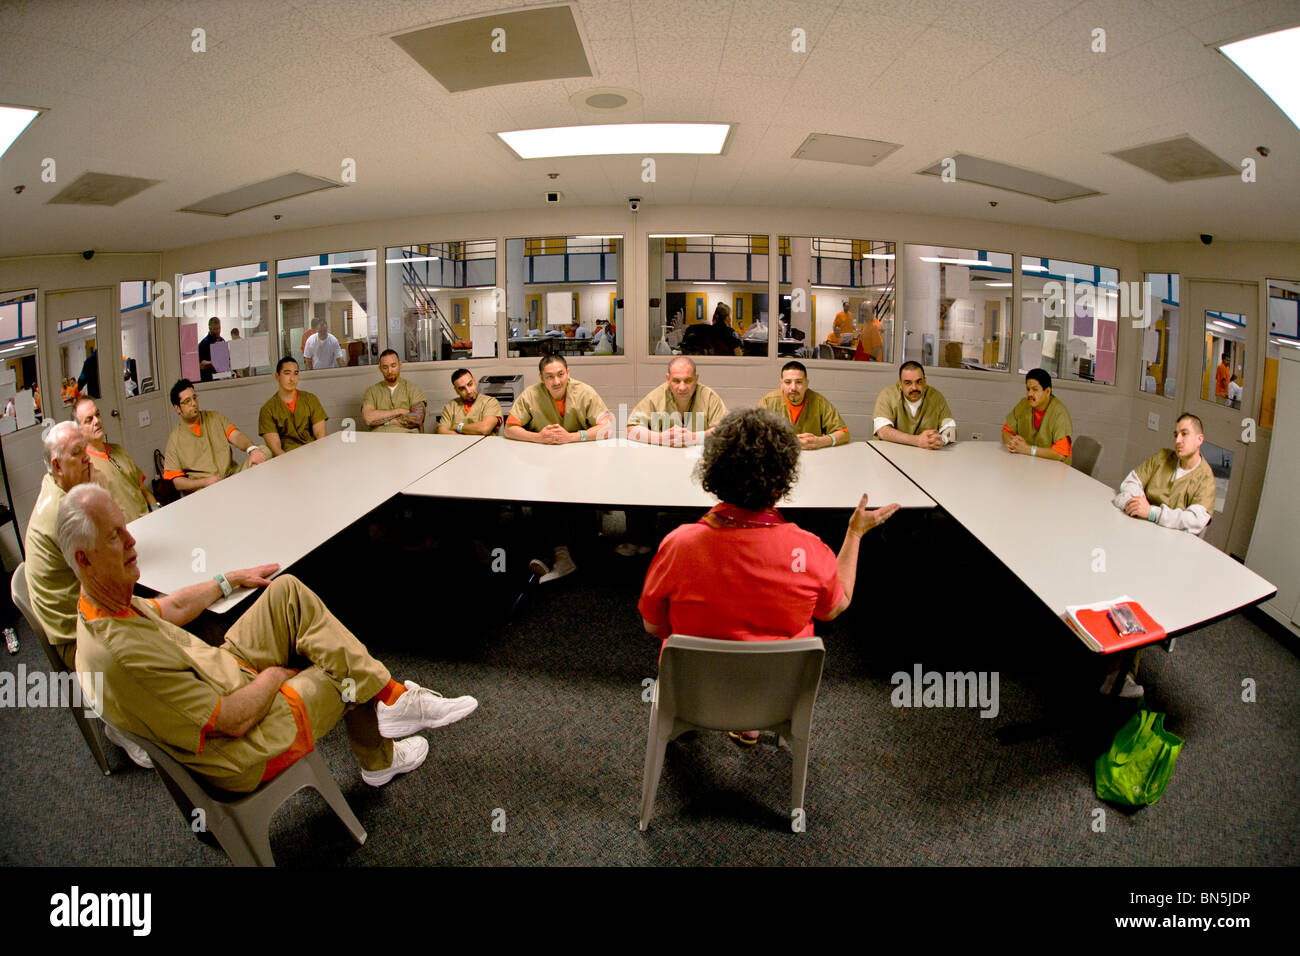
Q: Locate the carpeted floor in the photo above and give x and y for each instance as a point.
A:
(554, 754)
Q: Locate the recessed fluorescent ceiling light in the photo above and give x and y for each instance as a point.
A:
(363, 263)
(988, 172)
(877, 255)
(850, 150)
(617, 139)
(13, 120)
(997, 285)
(680, 235)
(1270, 62)
(411, 259)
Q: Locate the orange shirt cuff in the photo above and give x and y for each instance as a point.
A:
(1062, 446)
(232, 428)
(511, 420)
(1008, 429)
(169, 475)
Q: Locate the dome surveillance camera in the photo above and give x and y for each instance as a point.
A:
(1206, 238)
(634, 203)
(88, 254)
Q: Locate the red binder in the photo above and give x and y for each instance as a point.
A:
(1095, 628)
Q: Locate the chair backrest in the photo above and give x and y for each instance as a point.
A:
(824, 351)
(723, 685)
(1085, 454)
(23, 601)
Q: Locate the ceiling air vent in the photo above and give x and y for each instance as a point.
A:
(100, 189)
(1177, 160)
(518, 47)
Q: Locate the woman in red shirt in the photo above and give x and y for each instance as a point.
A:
(778, 576)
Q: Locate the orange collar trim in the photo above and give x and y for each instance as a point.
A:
(93, 613)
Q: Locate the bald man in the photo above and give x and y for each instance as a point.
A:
(113, 467)
(681, 411)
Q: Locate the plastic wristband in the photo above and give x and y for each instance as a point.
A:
(832, 439)
(1033, 451)
(583, 433)
(1152, 516)
(460, 429)
(226, 589)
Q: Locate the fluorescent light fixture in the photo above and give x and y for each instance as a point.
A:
(392, 262)
(618, 139)
(598, 237)
(877, 255)
(431, 288)
(600, 283)
(681, 235)
(13, 120)
(1294, 345)
(1026, 267)
(956, 262)
(1270, 63)
(302, 287)
(367, 263)
(1226, 325)
(997, 285)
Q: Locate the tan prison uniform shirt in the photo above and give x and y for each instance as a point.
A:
(817, 416)
(51, 585)
(891, 404)
(1055, 426)
(293, 425)
(405, 394)
(125, 482)
(164, 684)
(1194, 488)
(203, 455)
(535, 409)
(658, 410)
(484, 407)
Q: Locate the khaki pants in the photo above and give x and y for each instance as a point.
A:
(289, 626)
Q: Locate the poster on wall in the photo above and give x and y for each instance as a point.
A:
(1083, 321)
(190, 351)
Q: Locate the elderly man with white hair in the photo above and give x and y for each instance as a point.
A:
(240, 713)
(50, 582)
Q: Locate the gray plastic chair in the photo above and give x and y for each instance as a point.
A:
(1085, 454)
(709, 684)
(23, 601)
(241, 821)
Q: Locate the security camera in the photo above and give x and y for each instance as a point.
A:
(18, 190)
(1206, 238)
(634, 203)
(88, 254)
(1262, 150)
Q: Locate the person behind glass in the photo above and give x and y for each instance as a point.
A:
(206, 368)
(1234, 392)
(322, 350)
(1040, 424)
(750, 463)
(843, 326)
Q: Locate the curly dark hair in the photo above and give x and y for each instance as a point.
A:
(751, 460)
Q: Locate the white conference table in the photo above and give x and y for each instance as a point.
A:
(1052, 525)
(621, 474)
(281, 510)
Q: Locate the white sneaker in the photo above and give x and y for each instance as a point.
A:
(562, 567)
(421, 709)
(407, 755)
(134, 751)
(539, 567)
(1132, 689)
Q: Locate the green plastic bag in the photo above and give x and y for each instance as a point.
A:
(1137, 768)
